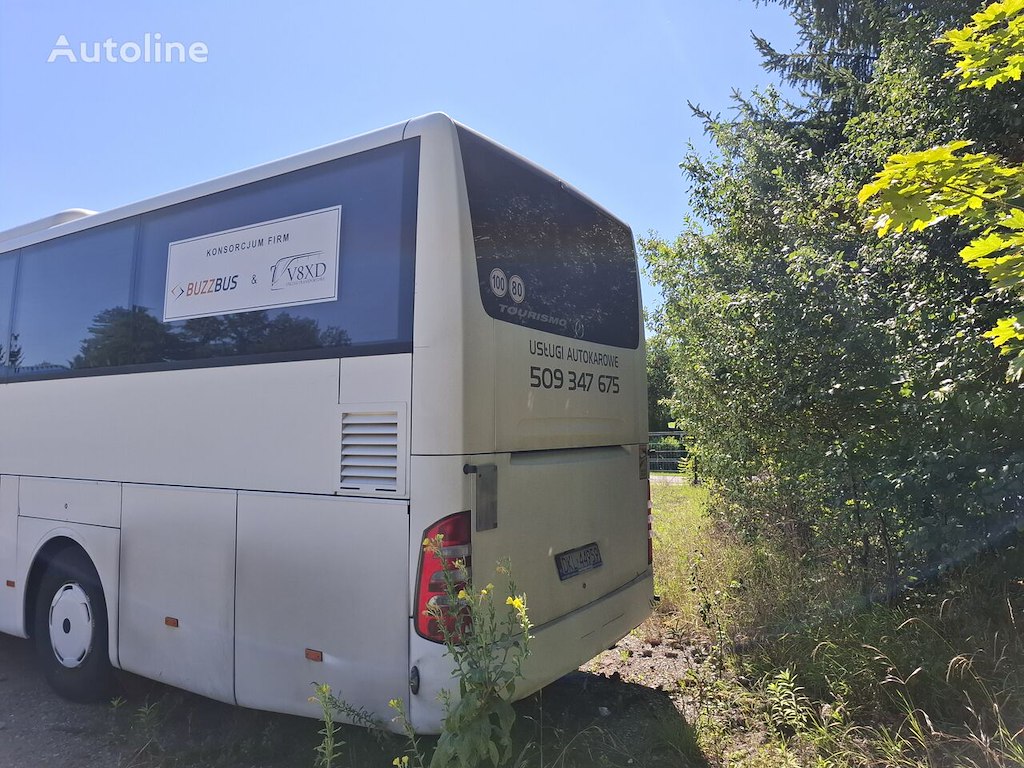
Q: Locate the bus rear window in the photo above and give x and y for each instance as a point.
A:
(546, 258)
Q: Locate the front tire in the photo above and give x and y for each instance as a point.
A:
(70, 629)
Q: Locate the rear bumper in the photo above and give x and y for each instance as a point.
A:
(556, 648)
(562, 645)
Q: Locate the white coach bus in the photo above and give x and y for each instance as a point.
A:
(232, 413)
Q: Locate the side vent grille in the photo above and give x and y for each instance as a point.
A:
(369, 451)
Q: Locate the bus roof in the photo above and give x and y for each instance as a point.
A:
(52, 226)
(77, 219)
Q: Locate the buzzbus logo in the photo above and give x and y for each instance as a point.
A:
(210, 285)
(300, 269)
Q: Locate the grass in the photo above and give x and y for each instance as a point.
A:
(785, 669)
(556, 728)
(707, 578)
(803, 676)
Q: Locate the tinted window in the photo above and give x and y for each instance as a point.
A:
(546, 258)
(8, 265)
(72, 293)
(373, 313)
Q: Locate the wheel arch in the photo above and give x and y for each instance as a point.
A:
(69, 622)
(46, 555)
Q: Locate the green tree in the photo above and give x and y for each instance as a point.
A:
(920, 189)
(659, 385)
(15, 354)
(121, 336)
(839, 43)
(248, 333)
(839, 392)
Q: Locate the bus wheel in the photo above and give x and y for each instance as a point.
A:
(70, 631)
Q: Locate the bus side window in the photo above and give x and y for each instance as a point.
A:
(8, 266)
(72, 306)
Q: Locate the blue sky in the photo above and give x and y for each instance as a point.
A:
(596, 92)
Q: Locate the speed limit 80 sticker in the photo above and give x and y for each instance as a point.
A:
(517, 289)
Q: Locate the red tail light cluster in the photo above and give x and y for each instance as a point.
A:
(650, 526)
(430, 590)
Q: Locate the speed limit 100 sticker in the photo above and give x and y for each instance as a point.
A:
(499, 283)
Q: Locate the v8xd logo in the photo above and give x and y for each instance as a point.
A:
(297, 270)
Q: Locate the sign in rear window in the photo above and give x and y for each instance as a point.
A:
(546, 258)
(279, 263)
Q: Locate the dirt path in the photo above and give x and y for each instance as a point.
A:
(153, 726)
(670, 480)
(614, 711)
(37, 728)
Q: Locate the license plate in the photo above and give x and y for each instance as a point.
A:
(576, 561)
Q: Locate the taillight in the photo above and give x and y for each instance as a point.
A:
(650, 526)
(430, 590)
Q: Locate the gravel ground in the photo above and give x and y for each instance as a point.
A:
(37, 728)
(614, 703)
(618, 691)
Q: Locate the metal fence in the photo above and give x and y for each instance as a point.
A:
(667, 452)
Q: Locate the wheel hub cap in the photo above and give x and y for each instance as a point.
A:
(71, 625)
